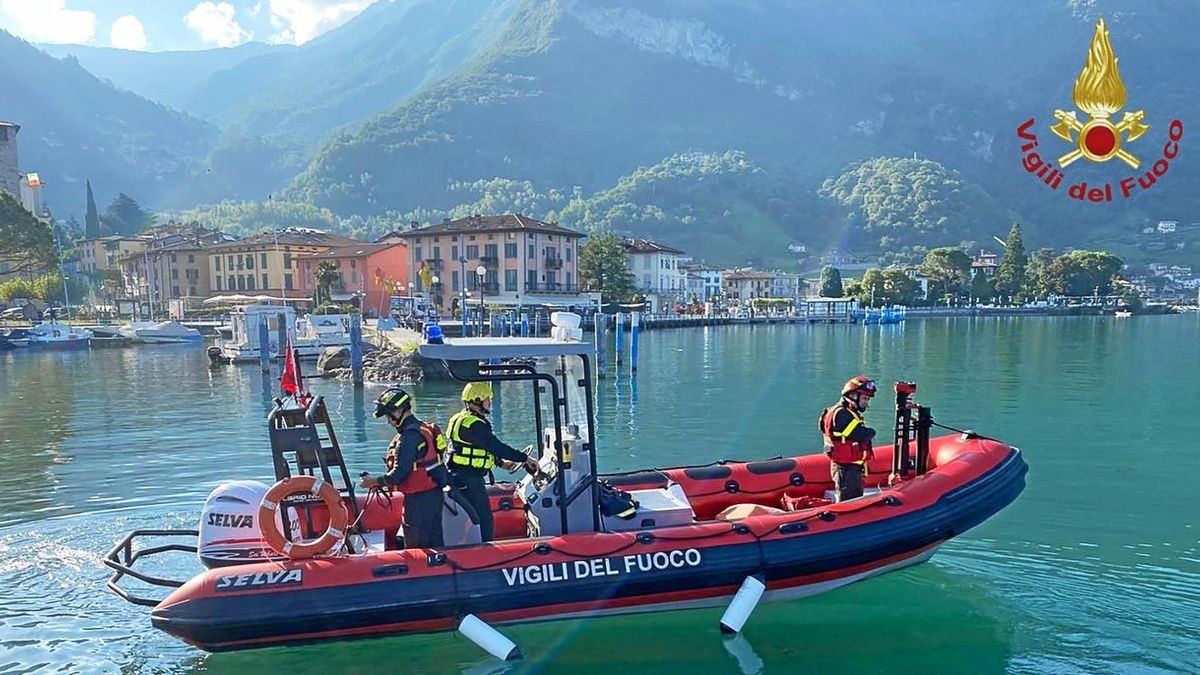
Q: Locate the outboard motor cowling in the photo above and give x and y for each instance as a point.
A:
(229, 531)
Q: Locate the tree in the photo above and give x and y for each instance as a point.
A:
(901, 289)
(948, 269)
(1038, 282)
(1010, 277)
(602, 267)
(26, 243)
(831, 282)
(1081, 273)
(982, 289)
(874, 289)
(326, 276)
(91, 222)
(125, 216)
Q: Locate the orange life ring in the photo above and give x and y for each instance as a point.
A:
(338, 517)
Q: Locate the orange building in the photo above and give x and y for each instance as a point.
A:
(364, 271)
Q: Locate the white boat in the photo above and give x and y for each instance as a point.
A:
(55, 334)
(1123, 314)
(330, 330)
(246, 322)
(167, 332)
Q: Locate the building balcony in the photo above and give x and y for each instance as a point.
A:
(434, 263)
(435, 287)
(552, 288)
(489, 260)
(553, 263)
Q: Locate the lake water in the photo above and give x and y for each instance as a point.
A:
(1095, 568)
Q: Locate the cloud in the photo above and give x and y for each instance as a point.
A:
(214, 22)
(299, 21)
(128, 33)
(50, 21)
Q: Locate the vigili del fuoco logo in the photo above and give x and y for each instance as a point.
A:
(1100, 94)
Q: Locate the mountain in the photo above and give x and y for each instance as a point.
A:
(582, 92)
(346, 75)
(75, 127)
(171, 78)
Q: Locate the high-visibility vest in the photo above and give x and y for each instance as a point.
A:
(463, 453)
(838, 445)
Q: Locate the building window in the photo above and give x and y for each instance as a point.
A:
(646, 263)
(437, 252)
(287, 281)
(229, 262)
(354, 263)
(510, 250)
(531, 280)
(490, 251)
(192, 291)
(249, 282)
(174, 291)
(287, 261)
(532, 252)
(568, 254)
(418, 250)
(218, 280)
(217, 262)
(249, 262)
(568, 281)
(174, 272)
(551, 282)
(263, 259)
(265, 284)
(229, 283)
(454, 252)
(353, 276)
(510, 279)
(172, 257)
(454, 281)
(191, 257)
(241, 285)
(472, 251)
(492, 279)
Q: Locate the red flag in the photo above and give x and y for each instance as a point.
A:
(291, 381)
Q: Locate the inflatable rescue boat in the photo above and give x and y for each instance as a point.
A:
(701, 535)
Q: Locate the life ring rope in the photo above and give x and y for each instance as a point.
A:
(273, 536)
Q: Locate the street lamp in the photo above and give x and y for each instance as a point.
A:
(462, 305)
(481, 272)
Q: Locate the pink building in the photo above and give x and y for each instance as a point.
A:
(365, 271)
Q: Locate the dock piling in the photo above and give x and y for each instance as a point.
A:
(601, 325)
(524, 325)
(264, 346)
(356, 354)
(635, 320)
(619, 337)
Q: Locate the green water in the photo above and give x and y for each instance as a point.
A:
(1096, 567)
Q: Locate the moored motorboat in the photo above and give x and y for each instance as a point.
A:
(58, 335)
(698, 533)
(167, 332)
(13, 338)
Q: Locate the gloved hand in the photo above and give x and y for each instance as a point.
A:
(532, 466)
(368, 482)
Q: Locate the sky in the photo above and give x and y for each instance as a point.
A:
(161, 25)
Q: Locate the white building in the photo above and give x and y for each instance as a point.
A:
(703, 281)
(658, 272)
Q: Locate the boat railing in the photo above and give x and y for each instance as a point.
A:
(123, 557)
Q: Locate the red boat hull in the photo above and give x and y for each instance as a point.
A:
(796, 553)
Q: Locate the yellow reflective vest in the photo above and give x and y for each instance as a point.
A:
(463, 453)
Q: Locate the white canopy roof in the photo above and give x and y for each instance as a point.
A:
(478, 349)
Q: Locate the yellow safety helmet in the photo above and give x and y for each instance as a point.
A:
(477, 391)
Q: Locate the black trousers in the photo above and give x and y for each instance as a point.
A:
(847, 480)
(473, 486)
(423, 520)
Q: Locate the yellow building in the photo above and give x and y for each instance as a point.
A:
(98, 255)
(173, 265)
(268, 262)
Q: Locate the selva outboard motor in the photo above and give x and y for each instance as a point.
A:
(229, 531)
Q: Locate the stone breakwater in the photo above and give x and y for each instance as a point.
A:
(388, 365)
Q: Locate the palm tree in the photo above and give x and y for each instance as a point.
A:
(327, 274)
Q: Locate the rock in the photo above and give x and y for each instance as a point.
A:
(333, 358)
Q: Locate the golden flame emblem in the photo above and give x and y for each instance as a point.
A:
(1100, 93)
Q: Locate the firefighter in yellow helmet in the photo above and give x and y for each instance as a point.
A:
(848, 438)
(475, 450)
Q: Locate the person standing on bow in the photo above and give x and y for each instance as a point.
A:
(475, 450)
(848, 438)
(414, 467)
